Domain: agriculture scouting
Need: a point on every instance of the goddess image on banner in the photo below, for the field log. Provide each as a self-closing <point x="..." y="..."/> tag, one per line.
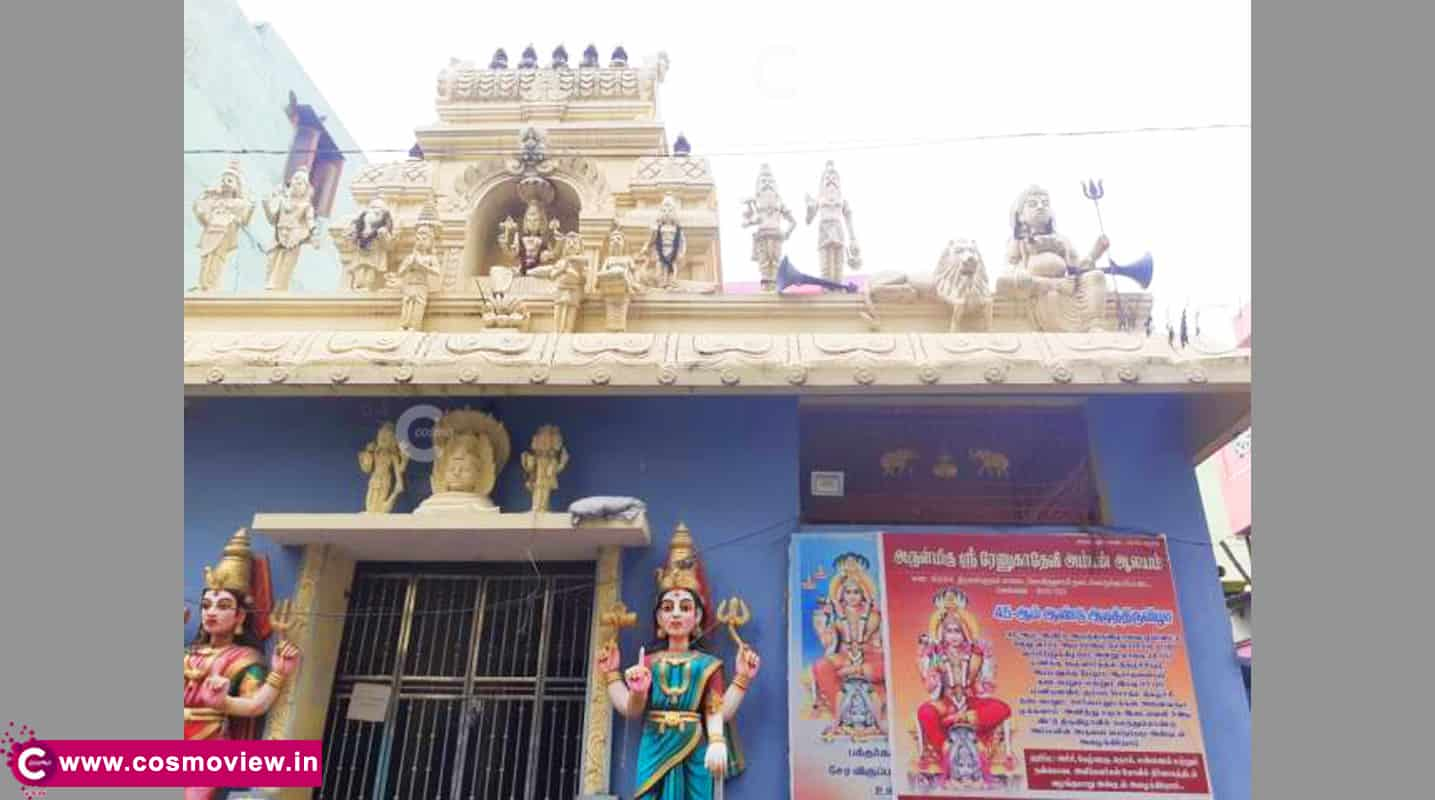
<point x="1038" y="666"/>
<point x="837" y="669"/>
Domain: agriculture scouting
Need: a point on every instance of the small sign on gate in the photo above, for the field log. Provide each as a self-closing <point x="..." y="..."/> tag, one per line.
<point x="370" y="702"/>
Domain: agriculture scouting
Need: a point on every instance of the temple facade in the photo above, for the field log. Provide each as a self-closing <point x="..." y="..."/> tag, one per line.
<point x="464" y="466"/>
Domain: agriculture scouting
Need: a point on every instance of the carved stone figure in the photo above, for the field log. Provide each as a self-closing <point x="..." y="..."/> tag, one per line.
<point x="502" y="308"/>
<point x="529" y="60"/>
<point x="472" y="448"/>
<point x="372" y="233"/>
<point x="500" y="59"/>
<point x="560" y="57"/>
<point x="290" y="210"/>
<point x="766" y="210"/>
<point x="227" y="687"/>
<point x="384" y="462"/>
<point x="960" y="281"/>
<point x="1066" y="292"/>
<point x="677" y="687"/>
<point x="617" y="282"/>
<point x="222" y="211"/>
<point x="619" y="59"/>
<point x="590" y="57"/>
<point x="545" y="459"/>
<point x="418" y="269"/>
<point x="666" y="243"/>
<point x="569" y="276"/>
<point x="834" y="226"/>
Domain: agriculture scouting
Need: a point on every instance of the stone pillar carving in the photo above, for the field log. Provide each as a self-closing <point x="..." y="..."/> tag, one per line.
<point x="320" y="599"/>
<point x="598" y="713"/>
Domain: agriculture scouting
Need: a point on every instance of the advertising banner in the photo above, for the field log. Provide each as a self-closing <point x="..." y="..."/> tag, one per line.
<point x="837" y="694"/>
<point x="1036" y="666"/>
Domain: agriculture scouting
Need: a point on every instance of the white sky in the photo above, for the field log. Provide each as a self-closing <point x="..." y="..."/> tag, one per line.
<point x="748" y="77"/>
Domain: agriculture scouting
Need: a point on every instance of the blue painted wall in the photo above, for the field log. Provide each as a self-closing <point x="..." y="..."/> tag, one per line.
<point x="237" y="79"/>
<point x="728" y="467"/>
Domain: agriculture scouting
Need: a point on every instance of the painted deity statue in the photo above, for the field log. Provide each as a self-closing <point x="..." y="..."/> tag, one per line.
<point x="666" y="243"/>
<point x="834" y="220"/>
<point x="531" y="243"/>
<point x="418" y="270"/>
<point x="850" y="679"/>
<point x="962" y="728"/>
<point x="766" y="210"/>
<point x="372" y="234"/>
<point x="222" y="210"/>
<point x="290" y="209"/>
<point x="227" y="686"/>
<point x="688" y="744"/>
<point x="1067" y="293"/>
<point x="384" y="462"/>
<point x="541" y="464"/>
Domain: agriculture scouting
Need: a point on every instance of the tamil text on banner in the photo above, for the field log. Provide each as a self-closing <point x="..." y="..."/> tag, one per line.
<point x="837" y="690"/>
<point x="1038" y="666"/>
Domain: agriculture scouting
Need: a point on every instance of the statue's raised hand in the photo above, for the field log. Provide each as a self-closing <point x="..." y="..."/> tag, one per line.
<point x="748" y="662"/>
<point x="286" y="659"/>
<point x="638" y="677"/>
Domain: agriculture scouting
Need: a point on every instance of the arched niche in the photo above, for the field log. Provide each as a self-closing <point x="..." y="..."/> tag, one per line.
<point x="500" y="201"/>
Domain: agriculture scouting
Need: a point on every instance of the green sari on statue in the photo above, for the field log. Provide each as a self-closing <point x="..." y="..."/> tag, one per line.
<point x="674" y="744"/>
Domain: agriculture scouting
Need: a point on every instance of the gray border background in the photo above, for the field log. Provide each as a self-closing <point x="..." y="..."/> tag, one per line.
<point x="1341" y="173"/>
<point x="90" y="589"/>
<point x="90" y="583"/>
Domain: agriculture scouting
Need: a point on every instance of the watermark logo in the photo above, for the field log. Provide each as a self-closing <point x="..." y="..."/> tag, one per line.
<point x="417" y="441"/>
<point x="31" y="762"/>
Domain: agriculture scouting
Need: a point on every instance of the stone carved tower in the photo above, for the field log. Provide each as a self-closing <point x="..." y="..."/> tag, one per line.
<point x="605" y="154"/>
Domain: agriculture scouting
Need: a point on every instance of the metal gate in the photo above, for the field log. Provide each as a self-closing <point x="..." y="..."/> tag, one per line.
<point x="488" y="666"/>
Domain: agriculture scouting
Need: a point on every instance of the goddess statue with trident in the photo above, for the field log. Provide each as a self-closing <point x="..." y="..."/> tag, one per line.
<point x="677" y="686"/>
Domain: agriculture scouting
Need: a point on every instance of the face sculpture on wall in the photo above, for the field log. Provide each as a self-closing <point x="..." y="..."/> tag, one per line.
<point x="472" y="448"/>
<point x="677" y="688"/>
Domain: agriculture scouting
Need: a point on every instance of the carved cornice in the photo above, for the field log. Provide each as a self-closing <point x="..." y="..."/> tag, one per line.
<point x="465" y="82"/>
<point x="456" y="310"/>
<point x="298" y="362"/>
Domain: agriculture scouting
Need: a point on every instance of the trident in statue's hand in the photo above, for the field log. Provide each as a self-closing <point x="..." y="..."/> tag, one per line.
<point x="734" y="613"/>
<point x="1094" y="191"/>
<point x="282" y="619"/>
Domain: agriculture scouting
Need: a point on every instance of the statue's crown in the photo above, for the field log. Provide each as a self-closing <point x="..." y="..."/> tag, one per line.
<point x="681" y="571"/>
<point x="232" y="573"/>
